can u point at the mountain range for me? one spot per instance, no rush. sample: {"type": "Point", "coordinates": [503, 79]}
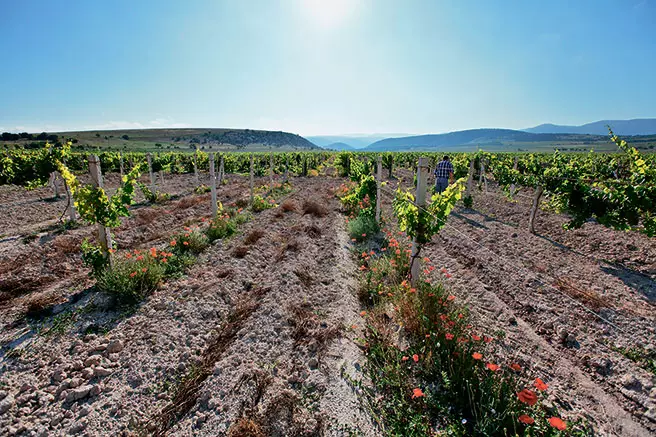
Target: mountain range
{"type": "Point", "coordinates": [542, 137]}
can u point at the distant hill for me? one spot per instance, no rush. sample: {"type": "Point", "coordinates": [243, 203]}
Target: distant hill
{"type": "Point", "coordinates": [638, 126]}
{"type": "Point", "coordinates": [470, 139]}
{"type": "Point", "coordinates": [339, 146]}
{"type": "Point", "coordinates": [187, 139]}
{"type": "Point", "coordinates": [355, 141]}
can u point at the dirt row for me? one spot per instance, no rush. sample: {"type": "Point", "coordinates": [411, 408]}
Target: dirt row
{"type": "Point", "coordinates": [255, 336]}
{"type": "Point", "coordinates": [545, 296]}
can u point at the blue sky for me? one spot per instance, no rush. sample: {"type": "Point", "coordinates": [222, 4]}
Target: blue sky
{"type": "Point", "coordinates": [324, 66]}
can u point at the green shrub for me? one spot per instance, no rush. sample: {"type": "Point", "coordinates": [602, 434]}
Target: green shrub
{"type": "Point", "coordinates": [362, 228]}
{"type": "Point", "coordinates": [260, 203]}
{"type": "Point", "coordinates": [190, 241]}
{"type": "Point", "coordinates": [134, 276]}
{"type": "Point", "coordinates": [93, 256]}
{"type": "Point", "coordinates": [220, 228]}
{"type": "Point", "coordinates": [202, 189]}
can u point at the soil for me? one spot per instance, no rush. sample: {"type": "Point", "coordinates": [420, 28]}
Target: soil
{"type": "Point", "coordinates": [260, 337]}
{"type": "Point", "coordinates": [569, 305]}
{"type": "Point", "coordinates": [264, 339]}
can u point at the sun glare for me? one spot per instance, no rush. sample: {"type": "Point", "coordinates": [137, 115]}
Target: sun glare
{"type": "Point", "coordinates": [328, 13]}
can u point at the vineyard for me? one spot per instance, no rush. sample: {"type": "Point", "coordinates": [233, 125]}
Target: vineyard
{"type": "Point", "coordinates": [325, 293]}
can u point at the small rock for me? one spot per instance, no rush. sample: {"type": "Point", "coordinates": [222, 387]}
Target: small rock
{"type": "Point", "coordinates": [631, 382]}
{"type": "Point", "coordinates": [114, 346]}
{"type": "Point", "coordinates": [56, 420]}
{"type": "Point", "coordinates": [58, 375]}
{"type": "Point", "coordinates": [95, 390]}
{"type": "Point", "coordinates": [77, 365]}
{"type": "Point", "coordinates": [75, 382]}
{"type": "Point", "coordinates": [87, 373]}
{"type": "Point", "coordinates": [6, 404]}
{"type": "Point", "coordinates": [313, 363]}
{"type": "Point", "coordinates": [93, 360]}
{"type": "Point", "coordinates": [78, 427]}
{"type": "Point", "coordinates": [182, 367]}
{"type": "Point", "coordinates": [84, 411]}
{"type": "Point", "coordinates": [78, 393]}
{"type": "Point", "coordinates": [602, 366]}
{"type": "Point", "coordinates": [3, 394]}
{"type": "Point", "coordinates": [99, 372]}
{"type": "Point", "coordinates": [651, 414]}
{"type": "Point", "coordinates": [26, 387]}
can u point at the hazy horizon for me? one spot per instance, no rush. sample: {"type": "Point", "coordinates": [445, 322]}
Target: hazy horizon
{"type": "Point", "coordinates": [325, 68]}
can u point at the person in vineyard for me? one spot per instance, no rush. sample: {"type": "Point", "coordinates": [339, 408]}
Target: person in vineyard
{"type": "Point", "coordinates": [443, 174]}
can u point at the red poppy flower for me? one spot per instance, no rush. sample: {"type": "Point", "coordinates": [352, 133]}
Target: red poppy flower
{"type": "Point", "coordinates": [449, 336]}
{"type": "Point", "coordinates": [153, 252]}
{"type": "Point", "coordinates": [558, 423]}
{"type": "Point", "coordinates": [133, 274]}
{"type": "Point", "coordinates": [487, 339]}
{"type": "Point", "coordinates": [144, 270]}
{"type": "Point", "coordinates": [516, 367]}
{"type": "Point", "coordinates": [415, 358]}
{"type": "Point", "coordinates": [404, 358]}
{"type": "Point", "coordinates": [477, 356]}
{"type": "Point", "coordinates": [528, 397]}
{"type": "Point", "coordinates": [540, 385]}
{"type": "Point", "coordinates": [526, 419]}
{"type": "Point", "coordinates": [173, 242]}
{"type": "Point", "coordinates": [476, 337]}
{"type": "Point", "coordinates": [452, 297]}
{"type": "Point", "coordinates": [417, 393]}
{"type": "Point", "coordinates": [363, 313]}
{"type": "Point", "coordinates": [493, 367]}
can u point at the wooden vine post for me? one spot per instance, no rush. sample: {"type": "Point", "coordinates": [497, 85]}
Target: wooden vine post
{"type": "Point", "coordinates": [482, 177]}
{"type": "Point", "coordinates": [213, 186]}
{"type": "Point", "coordinates": [271, 170]}
{"type": "Point", "coordinates": [252, 181]}
{"type": "Point", "coordinates": [286, 167]}
{"type": "Point", "coordinates": [470, 178]}
{"type": "Point", "coordinates": [534, 209]}
{"type": "Point", "coordinates": [195, 160]}
{"type": "Point", "coordinates": [423, 169]}
{"type": "Point", "coordinates": [304, 165]}
{"type": "Point", "coordinates": [104, 235]}
{"type": "Point", "coordinates": [379, 172]}
{"type": "Point", "coordinates": [221, 172]}
{"type": "Point", "coordinates": [150, 171]}
{"type": "Point", "coordinates": [121, 169]}
{"type": "Point", "coordinates": [53, 183]}
{"type": "Point", "coordinates": [512, 186]}
{"type": "Point", "coordinates": [72, 213]}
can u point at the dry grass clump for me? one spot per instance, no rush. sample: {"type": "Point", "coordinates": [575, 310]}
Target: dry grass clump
{"type": "Point", "coordinates": [67, 244]}
{"type": "Point", "coordinates": [313, 231]}
{"type": "Point", "coordinates": [308, 327]}
{"type": "Point", "coordinates": [241, 203]}
{"type": "Point", "coordinates": [189, 201]}
{"type": "Point", "coordinates": [245, 428]}
{"type": "Point", "coordinates": [588, 297]}
{"type": "Point", "coordinates": [146, 215]}
{"type": "Point", "coordinates": [290, 245]}
{"type": "Point", "coordinates": [253, 236]}
{"type": "Point", "coordinates": [289, 206]}
{"type": "Point", "coordinates": [40, 305]}
{"type": "Point", "coordinates": [314, 208]}
{"type": "Point", "coordinates": [304, 276]}
{"type": "Point", "coordinates": [240, 251]}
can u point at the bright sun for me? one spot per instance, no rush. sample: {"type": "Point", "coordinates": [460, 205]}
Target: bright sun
{"type": "Point", "coordinates": [328, 13]}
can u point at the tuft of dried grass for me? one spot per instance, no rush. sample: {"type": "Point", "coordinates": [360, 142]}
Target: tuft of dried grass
{"type": "Point", "coordinates": [245, 428]}
{"type": "Point", "coordinates": [314, 208]}
{"type": "Point", "coordinates": [253, 236]}
{"type": "Point", "coordinates": [588, 297]}
{"type": "Point", "coordinates": [189, 201]}
{"type": "Point", "coordinates": [240, 251]}
{"type": "Point", "coordinates": [38, 306]}
{"type": "Point", "coordinates": [146, 215]}
{"type": "Point", "coordinates": [67, 244]}
{"type": "Point", "coordinates": [290, 245]}
{"type": "Point", "coordinates": [313, 231]}
{"type": "Point", "coordinates": [289, 206]}
{"type": "Point", "coordinates": [305, 277]}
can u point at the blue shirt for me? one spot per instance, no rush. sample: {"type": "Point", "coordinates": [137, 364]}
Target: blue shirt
{"type": "Point", "coordinates": [444, 168]}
